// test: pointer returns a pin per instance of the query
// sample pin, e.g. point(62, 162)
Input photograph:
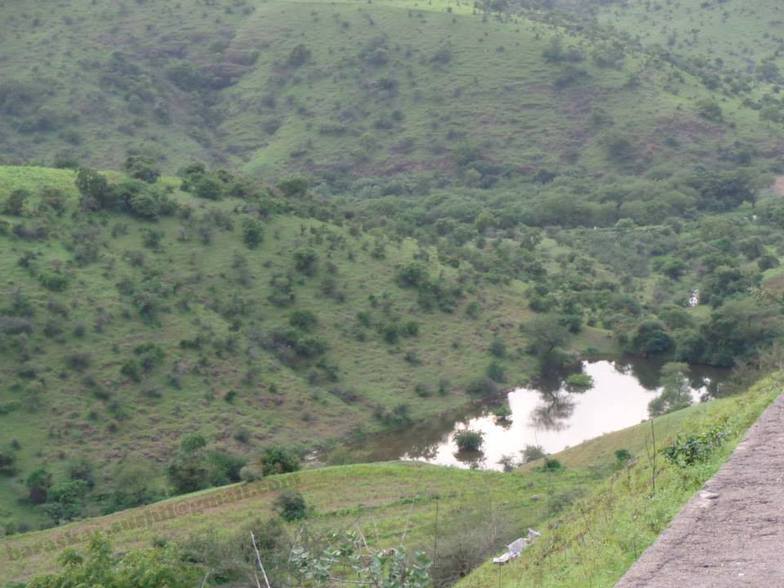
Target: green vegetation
point(601, 535)
point(236, 237)
point(115, 325)
point(474, 513)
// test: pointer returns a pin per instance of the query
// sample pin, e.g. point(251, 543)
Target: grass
point(342, 112)
point(57, 413)
point(397, 502)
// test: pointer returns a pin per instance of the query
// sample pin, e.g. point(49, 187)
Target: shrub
point(495, 371)
point(7, 462)
point(279, 460)
point(299, 56)
point(552, 465)
point(15, 203)
point(303, 319)
point(252, 232)
point(38, 484)
point(482, 387)
point(532, 453)
point(96, 193)
point(142, 168)
point(468, 440)
point(291, 506)
point(498, 348)
point(65, 500)
point(293, 187)
point(688, 450)
point(623, 457)
point(78, 361)
point(306, 261)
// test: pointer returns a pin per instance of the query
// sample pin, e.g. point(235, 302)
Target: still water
point(549, 416)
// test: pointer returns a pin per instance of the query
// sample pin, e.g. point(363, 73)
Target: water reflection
point(553, 412)
point(548, 416)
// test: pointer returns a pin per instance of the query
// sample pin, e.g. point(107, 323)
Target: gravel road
point(732, 532)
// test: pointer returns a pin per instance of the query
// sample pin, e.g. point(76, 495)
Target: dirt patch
point(778, 186)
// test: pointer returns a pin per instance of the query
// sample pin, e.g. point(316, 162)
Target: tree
point(279, 460)
point(142, 168)
point(95, 191)
point(738, 329)
point(38, 484)
point(545, 334)
point(252, 232)
point(66, 500)
point(676, 392)
point(207, 186)
point(132, 486)
point(188, 470)
point(651, 338)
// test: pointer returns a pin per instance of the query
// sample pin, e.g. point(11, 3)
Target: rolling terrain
point(472, 513)
point(238, 237)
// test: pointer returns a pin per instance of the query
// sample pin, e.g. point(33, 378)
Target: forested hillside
point(241, 236)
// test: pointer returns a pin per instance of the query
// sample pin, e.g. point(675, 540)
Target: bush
point(495, 371)
point(306, 261)
point(279, 460)
point(303, 319)
point(623, 457)
point(468, 440)
point(532, 453)
point(498, 348)
point(142, 168)
point(38, 484)
point(15, 203)
point(291, 506)
point(65, 500)
point(293, 187)
point(299, 56)
point(95, 191)
point(78, 361)
point(252, 232)
point(688, 450)
point(7, 463)
point(482, 387)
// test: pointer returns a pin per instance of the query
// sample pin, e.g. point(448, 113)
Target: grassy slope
point(390, 500)
point(736, 32)
point(598, 539)
point(495, 90)
point(72, 421)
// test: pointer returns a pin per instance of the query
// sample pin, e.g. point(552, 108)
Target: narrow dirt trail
point(732, 532)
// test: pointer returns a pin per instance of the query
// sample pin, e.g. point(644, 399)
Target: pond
point(548, 416)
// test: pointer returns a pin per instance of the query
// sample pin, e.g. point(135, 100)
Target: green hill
point(403, 208)
point(472, 513)
point(345, 91)
point(119, 334)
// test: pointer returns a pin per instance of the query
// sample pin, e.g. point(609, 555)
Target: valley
point(425, 273)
